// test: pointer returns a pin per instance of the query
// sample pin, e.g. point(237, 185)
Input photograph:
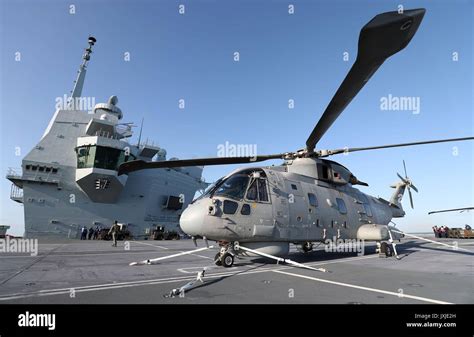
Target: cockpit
point(248, 185)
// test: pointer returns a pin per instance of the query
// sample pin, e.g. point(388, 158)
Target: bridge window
point(341, 205)
point(313, 201)
point(101, 157)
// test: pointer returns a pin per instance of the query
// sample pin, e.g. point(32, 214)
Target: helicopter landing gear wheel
point(386, 249)
point(217, 259)
point(226, 254)
point(227, 260)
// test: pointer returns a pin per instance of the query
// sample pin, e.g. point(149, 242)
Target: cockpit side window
point(262, 190)
point(258, 190)
point(252, 191)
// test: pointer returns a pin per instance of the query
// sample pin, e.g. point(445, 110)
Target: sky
point(151, 57)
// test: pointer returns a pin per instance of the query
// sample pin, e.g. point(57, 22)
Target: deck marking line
point(419, 298)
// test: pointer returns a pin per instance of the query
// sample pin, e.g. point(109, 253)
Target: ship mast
point(79, 82)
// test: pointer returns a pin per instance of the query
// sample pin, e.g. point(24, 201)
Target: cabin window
point(293, 186)
point(368, 210)
point(41, 169)
point(245, 209)
point(28, 167)
point(258, 190)
point(48, 169)
point(55, 170)
point(230, 207)
point(341, 205)
point(313, 201)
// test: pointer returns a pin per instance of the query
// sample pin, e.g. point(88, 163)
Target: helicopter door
point(362, 207)
point(297, 207)
point(279, 200)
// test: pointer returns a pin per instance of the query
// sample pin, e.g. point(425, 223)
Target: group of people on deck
point(93, 233)
point(441, 232)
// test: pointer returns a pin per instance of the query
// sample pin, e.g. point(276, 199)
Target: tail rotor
point(408, 183)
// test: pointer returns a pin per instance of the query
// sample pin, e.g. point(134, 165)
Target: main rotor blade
point(136, 165)
point(355, 149)
point(452, 210)
point(385, 35)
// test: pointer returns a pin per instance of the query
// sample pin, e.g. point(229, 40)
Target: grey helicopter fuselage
point(304, 200)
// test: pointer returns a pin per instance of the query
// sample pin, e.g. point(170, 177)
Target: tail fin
point(396, 199)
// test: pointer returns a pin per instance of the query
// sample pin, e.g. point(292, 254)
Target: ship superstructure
point(69, 179)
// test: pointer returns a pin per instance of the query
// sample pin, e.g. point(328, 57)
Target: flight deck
point(93, 272)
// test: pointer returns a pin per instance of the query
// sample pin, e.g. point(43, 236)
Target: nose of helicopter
point(191, 220)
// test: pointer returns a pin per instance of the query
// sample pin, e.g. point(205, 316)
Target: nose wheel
point(227, 260)
point(225, 257)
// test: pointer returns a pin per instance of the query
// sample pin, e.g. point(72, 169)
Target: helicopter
point(261, 210)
